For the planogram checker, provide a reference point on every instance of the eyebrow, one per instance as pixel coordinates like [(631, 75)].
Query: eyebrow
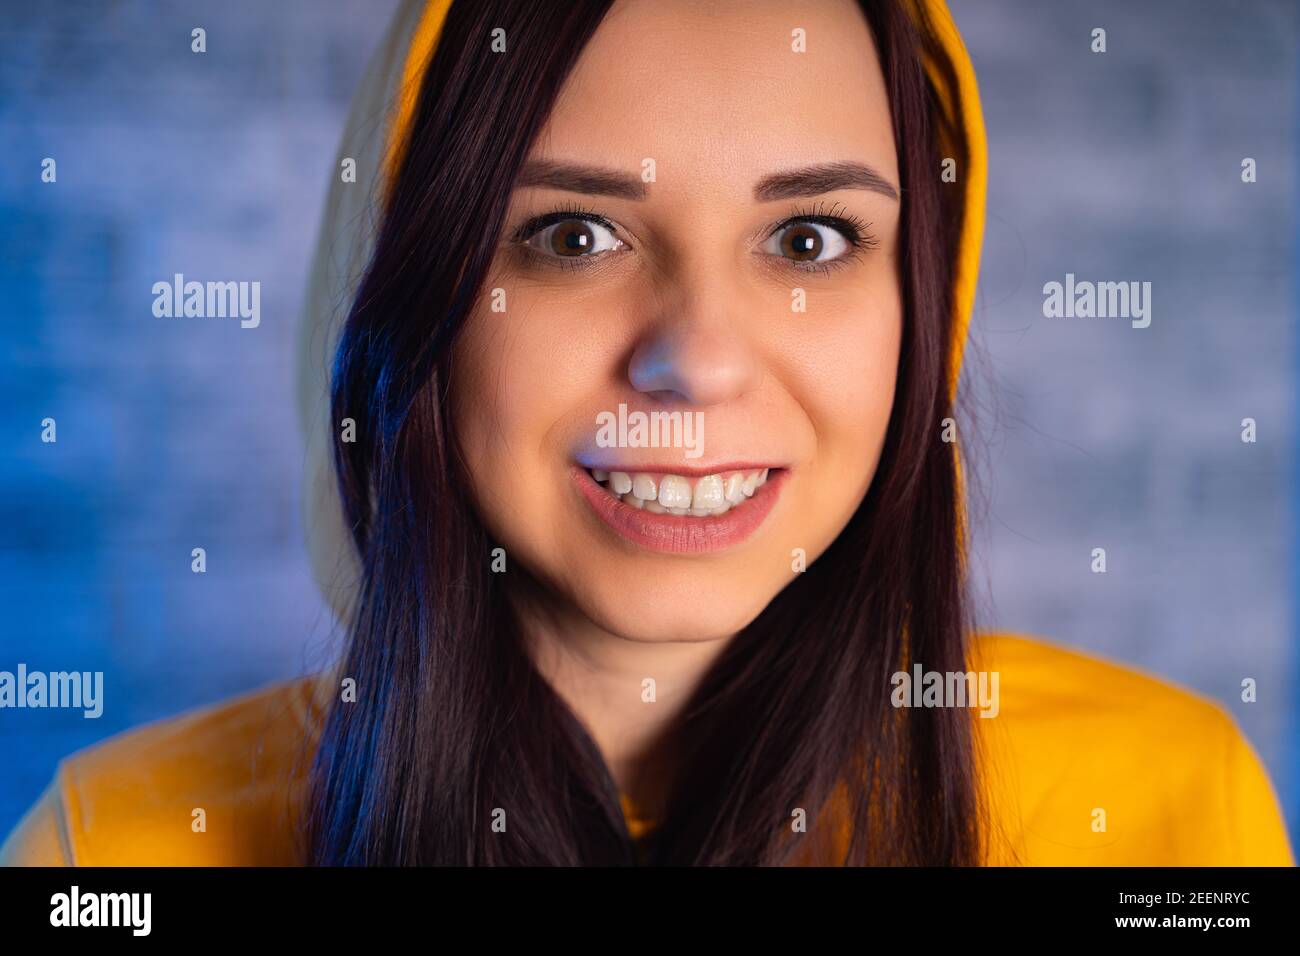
[(824, 178), (791, 184), (573, 178)]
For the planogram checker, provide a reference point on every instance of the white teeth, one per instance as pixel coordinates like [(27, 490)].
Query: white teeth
[(734, 492), (643, 486), (704, 497), (708, 493), (674, 492)]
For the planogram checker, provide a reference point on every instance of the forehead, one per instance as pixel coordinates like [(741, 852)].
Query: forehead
[(715, 91)]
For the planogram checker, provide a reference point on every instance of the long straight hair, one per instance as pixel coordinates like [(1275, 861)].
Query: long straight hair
[(453, 723)]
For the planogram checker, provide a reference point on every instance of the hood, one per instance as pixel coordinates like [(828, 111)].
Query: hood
[(374, 137)]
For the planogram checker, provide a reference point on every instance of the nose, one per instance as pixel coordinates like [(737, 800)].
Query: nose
[(698, 354)]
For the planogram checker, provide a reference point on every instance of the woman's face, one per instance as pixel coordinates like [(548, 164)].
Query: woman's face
[(707, 229)]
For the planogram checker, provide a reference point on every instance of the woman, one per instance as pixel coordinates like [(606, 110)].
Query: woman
[(642, 423)]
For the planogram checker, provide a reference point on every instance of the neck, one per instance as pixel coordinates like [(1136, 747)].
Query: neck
[(628, 694)]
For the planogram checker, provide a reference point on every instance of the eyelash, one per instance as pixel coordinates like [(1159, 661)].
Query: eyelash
[(562, 213), (853, 229)]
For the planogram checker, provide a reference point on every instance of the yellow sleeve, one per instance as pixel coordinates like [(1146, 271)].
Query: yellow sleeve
[(1255, 823), (41, 837)]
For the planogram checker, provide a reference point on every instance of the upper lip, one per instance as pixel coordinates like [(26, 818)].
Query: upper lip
[(679, 468)]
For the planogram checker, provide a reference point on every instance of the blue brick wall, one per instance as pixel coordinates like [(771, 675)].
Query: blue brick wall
[(181, 435), (171, 435), (1127, 166)]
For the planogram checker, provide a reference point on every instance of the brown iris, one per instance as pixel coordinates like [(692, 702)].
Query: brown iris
[(801, 243), (572, 238)]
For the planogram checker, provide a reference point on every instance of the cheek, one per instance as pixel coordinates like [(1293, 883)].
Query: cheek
[(500, 410), (517, 374), (522, 381), (843, 367)]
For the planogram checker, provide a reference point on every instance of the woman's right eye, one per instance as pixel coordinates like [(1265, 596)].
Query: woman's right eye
[(573, 238)]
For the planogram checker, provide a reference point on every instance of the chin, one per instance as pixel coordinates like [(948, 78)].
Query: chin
[(660, 615)]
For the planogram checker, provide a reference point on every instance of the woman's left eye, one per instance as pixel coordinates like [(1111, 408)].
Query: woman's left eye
[(807, 241), (573, 238)]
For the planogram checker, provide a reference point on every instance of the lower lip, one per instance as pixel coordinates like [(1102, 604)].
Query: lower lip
[(681, 534)]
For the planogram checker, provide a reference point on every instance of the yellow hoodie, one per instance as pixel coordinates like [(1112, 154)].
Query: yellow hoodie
[(1087, 762)]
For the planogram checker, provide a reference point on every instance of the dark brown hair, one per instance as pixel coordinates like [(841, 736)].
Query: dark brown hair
[(452, 719)]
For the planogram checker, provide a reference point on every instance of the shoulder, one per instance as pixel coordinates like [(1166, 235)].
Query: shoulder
[(218, 785), (1092, 762)]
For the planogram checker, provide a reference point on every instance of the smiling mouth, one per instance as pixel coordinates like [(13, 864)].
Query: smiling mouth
[(681, 514), (707, 496)]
